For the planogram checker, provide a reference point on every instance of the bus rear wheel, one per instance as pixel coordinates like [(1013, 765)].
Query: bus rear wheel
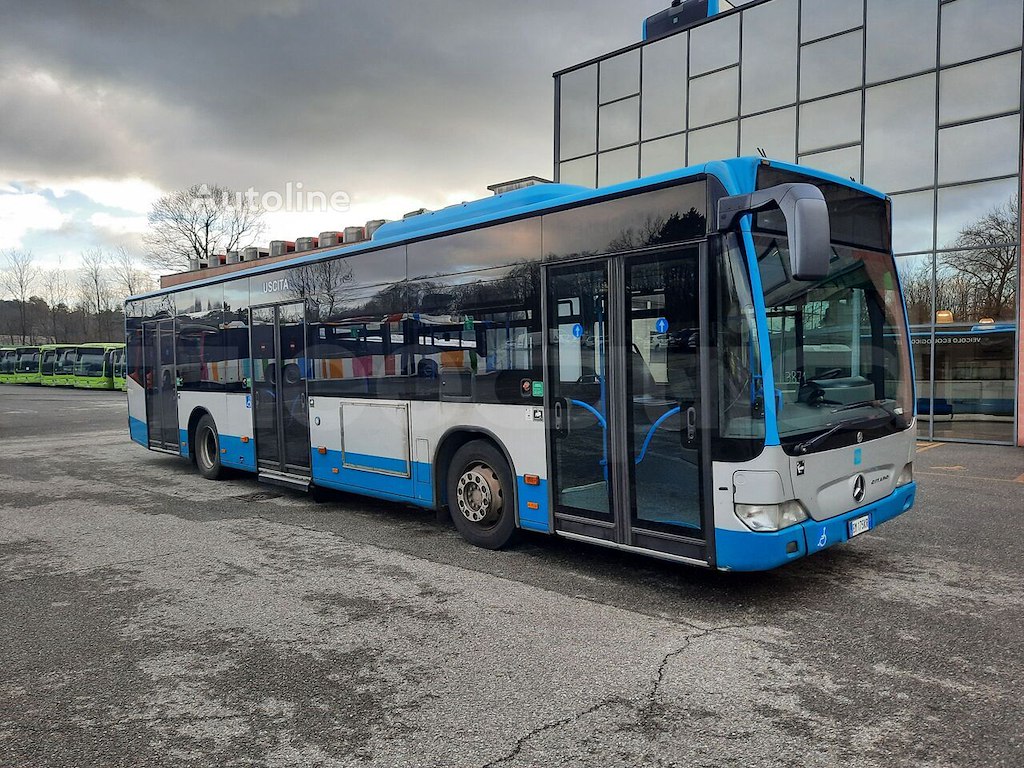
[(481, 495), (208, 449)]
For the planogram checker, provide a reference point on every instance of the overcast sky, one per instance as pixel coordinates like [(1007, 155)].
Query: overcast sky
[(399, 104)]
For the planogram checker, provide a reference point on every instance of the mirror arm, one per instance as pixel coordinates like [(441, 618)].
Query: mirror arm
[(806, 213)]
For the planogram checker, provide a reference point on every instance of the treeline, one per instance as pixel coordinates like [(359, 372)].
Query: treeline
[(39, 305)]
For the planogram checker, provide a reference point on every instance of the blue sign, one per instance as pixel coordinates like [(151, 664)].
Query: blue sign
[(248, 401), (577, 331), (661, 325)]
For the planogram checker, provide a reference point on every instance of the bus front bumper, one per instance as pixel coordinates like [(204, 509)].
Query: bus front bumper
[(749, 551)]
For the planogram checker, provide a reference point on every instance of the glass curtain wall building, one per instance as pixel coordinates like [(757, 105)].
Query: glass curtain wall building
[(918, 98)]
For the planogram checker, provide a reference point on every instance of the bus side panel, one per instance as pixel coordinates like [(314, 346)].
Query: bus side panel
[(365, 446), (137, 413), (519, 428), (368, 448), (213, 402), (238, 449)]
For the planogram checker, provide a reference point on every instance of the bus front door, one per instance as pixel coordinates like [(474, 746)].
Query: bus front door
[(161, 386), (625, 354), (279, 401)]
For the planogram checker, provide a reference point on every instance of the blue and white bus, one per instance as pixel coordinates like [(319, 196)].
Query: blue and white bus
[(710, 366)]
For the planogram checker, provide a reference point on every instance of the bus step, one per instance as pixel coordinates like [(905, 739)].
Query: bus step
[(298, 482)]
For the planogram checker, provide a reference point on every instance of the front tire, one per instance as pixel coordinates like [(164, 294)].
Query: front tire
[(481, 495), (208, 449)]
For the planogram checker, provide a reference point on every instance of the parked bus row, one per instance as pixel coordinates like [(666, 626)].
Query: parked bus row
[(95, 365)]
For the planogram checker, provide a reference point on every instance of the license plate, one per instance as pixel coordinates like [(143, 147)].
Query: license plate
[(860, 525)]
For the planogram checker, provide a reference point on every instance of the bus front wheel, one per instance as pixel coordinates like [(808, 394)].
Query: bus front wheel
[(208, 449), (481, 495)]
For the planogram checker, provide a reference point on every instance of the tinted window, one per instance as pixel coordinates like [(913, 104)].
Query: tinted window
[(855, 218), (500, 245), (652, 218), (201, 358)]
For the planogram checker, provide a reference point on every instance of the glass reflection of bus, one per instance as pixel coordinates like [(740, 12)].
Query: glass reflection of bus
[(974, 372)]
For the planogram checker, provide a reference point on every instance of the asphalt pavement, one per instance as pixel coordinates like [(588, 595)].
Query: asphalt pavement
[(152, 618)]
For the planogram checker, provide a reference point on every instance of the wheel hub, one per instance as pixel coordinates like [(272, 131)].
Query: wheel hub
[(478, 494)]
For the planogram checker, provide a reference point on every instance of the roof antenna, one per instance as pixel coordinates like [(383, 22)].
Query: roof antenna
[(761, 152)]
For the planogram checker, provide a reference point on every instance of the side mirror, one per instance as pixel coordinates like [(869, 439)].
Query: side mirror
[(807, 225)]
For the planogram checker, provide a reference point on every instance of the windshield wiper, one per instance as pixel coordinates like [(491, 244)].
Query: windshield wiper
[(900, 420), (853, 423)]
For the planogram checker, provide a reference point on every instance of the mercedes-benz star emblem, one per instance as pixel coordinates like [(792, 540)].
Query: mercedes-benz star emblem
[(858, 489)]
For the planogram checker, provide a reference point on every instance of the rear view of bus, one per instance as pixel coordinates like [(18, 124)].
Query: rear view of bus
[(835, 385)]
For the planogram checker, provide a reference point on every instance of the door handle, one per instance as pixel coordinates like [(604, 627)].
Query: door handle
[(690, 426), (560, 416)]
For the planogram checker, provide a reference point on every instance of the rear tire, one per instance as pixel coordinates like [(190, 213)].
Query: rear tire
[(208, 449), (481, 495)]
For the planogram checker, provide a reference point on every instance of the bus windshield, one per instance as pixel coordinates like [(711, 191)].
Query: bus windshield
[(839, 346), (90, 362)]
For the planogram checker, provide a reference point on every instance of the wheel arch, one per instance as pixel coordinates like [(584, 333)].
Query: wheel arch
[(193, 421), (450, 442)]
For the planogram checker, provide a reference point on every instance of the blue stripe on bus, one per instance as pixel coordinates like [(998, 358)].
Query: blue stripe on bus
[(183, 443), (238, 454), (749, 551), (139, 431), (533, 519), (370, 482)]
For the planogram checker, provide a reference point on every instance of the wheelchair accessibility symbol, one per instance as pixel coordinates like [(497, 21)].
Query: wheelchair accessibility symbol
[(824, 538)]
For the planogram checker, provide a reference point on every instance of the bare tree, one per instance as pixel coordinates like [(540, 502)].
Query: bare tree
[(128, 279), (57, 293), (197, 222), (94, 285), (980, 278), (17, 279)]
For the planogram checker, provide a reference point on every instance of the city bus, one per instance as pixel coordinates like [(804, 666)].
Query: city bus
[(93, 368), (118, 365), (51, 364), (26, 366), (653, 366), (8, 355)]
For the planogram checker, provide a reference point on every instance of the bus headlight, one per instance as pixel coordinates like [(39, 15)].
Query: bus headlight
[(771, 517), (906, 476)]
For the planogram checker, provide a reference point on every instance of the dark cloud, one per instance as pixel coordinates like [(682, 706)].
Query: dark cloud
[(370, 97)]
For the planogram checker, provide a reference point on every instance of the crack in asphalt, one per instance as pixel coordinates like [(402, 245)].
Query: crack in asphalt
[(521, 742), (642, 712)]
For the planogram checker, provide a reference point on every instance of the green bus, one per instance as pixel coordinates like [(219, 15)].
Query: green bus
[(26, 365), (119, 363), (7, 357), (56, 364), (93, 368)]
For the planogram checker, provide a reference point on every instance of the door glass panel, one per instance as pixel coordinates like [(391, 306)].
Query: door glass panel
[(577, 308), (293, 372), (161, 392), (663, 385), (265, 387)]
